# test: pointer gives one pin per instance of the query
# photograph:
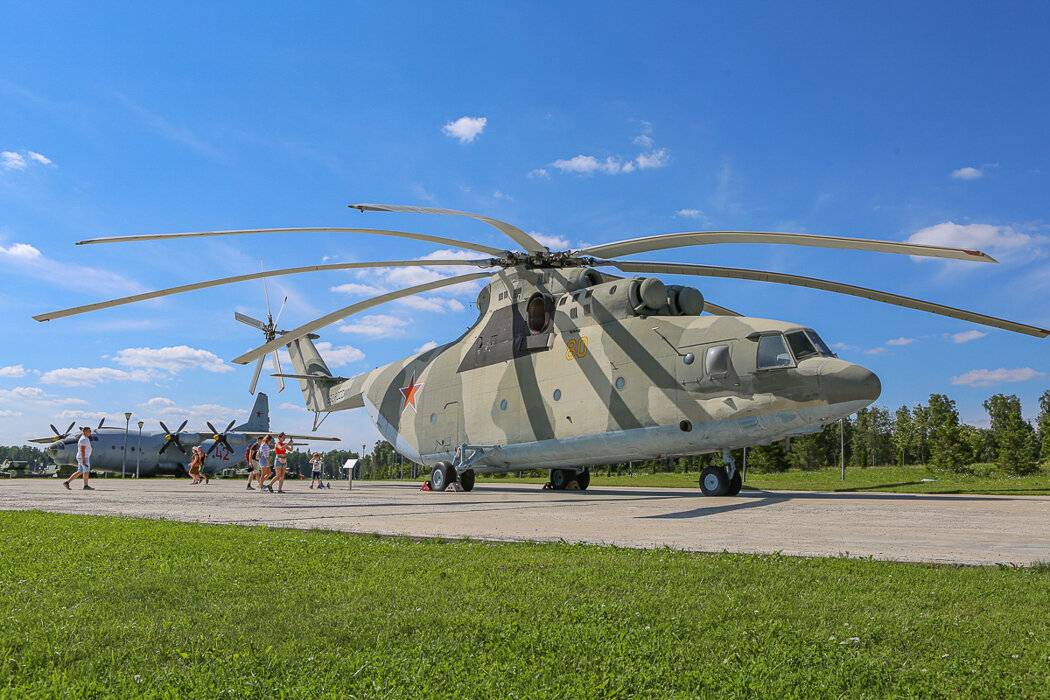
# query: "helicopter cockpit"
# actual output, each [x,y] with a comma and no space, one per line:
[788,349]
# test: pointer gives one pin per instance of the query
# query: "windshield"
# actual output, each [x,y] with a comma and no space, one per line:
[772,352]
[801,345]
[821,345]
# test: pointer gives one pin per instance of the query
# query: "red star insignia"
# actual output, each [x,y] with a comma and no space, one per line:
[410,393]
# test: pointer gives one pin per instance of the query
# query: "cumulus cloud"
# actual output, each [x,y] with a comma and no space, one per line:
[967,336]
[539,172]
[288,406]
[13,371]
[376,326]
[502,195]
[466,129]
[7,413]
[43,160]
[655,159]
[361,290]
[643,140]
[21,251]
[10,160]
[432,304]
[21,394]
[172,359]
[401,277]
[25,259]
[989,377]
[429,345]
[966,174]
[689,214]
[158,403]
[589,165]
[552,242]
[997,240]
[875,351]
[843,346]
[901,341]
[339,356]
[89,376]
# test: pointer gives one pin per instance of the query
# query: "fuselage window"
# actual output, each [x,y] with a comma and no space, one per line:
[717,362]
[537,313]
[821,345]
[773,352]
[801,345]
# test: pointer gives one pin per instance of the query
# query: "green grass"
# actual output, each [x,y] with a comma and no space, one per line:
[93,607]
[891,478]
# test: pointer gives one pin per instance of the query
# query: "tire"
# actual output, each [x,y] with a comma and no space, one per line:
[441,476]
[559,479]
[466,480]
[714,482]
[584,479]
[734,484]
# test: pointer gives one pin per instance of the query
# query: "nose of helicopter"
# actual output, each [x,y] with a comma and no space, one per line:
[844,382]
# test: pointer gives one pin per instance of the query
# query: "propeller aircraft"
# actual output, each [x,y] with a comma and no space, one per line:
[567,366]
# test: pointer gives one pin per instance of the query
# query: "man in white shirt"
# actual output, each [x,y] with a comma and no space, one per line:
[83,459]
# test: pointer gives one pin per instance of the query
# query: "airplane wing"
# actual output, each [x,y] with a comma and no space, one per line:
[257,433]
[43,441]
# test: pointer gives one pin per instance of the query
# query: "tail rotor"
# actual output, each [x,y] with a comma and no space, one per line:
[270,331]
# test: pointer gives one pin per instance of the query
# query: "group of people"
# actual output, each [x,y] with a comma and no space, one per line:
[257,456]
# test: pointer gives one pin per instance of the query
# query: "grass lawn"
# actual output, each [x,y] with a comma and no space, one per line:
[93,607]
[891,478]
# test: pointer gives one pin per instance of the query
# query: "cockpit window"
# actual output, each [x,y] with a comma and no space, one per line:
[801,345]
[821,345]
[773,352]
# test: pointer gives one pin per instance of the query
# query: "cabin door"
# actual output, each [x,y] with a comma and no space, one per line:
[453,425]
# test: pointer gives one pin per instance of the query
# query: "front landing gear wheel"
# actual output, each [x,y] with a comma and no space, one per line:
[441,476]
[714,482]
[559,479]
[466,480]
[583,479]
[734,484]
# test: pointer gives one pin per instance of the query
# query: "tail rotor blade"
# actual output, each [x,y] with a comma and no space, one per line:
[253,322]
[280,311]
[266,292]
[277,369]
[255,376]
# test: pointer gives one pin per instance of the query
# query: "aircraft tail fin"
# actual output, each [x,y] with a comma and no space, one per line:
[307,361]
[259,418]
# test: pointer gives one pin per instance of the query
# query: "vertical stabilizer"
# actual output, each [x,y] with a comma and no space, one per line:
[307,360]
[259,418]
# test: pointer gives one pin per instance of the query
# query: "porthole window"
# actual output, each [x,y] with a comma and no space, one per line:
[620,383]
[557,394]
[689,357]
[612,290]
[433,418]
[503,405]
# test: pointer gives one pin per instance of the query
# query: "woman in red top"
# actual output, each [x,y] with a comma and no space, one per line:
[280,451]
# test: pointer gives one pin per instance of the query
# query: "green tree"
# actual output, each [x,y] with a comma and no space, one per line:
[949,448]
[1043,425]
[904,435]
[1014,439]
[766,459]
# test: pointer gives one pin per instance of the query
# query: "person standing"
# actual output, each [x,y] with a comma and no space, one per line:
[315,471]
[83,459]
[251,459]
[264,462]
[280,451]
[195,465]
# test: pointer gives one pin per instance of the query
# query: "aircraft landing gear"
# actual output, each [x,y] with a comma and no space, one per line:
[721,481]
[466,480]
[559,479]
[442,475]
[562,479]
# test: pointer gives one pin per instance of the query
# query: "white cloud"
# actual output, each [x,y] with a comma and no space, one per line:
[643,140]
[588,165]
[875,351]
[843,346]
[43,160]
[362,290]
[19,393]
[158,403]
[88,376]
[12,161]
[22,251]
[966,174]
[689,213]
[431,304]
[539,172]
[967,336]
[13,371]
[552,242]
[339,356]
[288,406]
[988,377]
[502,195]
[466,129]
[24,259]
[901,341]
[376,326]
[172,359]
[984,237]
[429,345]
[655,159]
[9,414]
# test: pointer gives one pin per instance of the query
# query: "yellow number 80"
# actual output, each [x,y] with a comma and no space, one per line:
[576,349]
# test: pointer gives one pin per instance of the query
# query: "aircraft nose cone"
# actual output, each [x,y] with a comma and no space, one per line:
[848,383]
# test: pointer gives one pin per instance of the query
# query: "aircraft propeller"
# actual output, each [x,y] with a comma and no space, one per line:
[219,438]
[172,438]
[62,436]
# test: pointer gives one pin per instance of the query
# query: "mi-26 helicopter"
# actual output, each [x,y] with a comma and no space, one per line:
[568,367]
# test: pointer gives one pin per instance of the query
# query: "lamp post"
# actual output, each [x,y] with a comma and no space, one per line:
[138,453]
[124,462]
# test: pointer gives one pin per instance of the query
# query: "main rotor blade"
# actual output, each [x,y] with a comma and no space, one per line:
[813,283]
[716,310]
[253,322]
[690,238]
[523,239]
[240,232]
[255,376]
[73,311]
[266,293]
[295,334]
[277,369]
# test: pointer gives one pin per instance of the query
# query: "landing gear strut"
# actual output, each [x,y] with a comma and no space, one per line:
[562,479]
[721,481]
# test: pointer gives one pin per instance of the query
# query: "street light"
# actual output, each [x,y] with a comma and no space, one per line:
[124,463]
[139,452]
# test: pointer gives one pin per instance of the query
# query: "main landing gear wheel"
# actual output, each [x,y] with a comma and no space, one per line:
[583,479]
[560,479]
[442,475]
[466,480]
[734,484]
[714,482]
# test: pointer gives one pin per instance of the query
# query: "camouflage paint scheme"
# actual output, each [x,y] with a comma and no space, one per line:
[610,378]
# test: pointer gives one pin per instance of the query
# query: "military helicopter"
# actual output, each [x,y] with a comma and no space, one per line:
[568,367]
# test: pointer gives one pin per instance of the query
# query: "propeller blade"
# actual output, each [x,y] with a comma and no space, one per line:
[523,239]
[164,427]
[327,319]
[55,430]
[378,232]
[211,427]
[164,447]
[100,423]
[813,283]
[255,376]
[182,426]
[70,428]
[253,322]
[692,238]
[716,310]
[257,275]
[179,445]
[214,444]
[229,427]
[277,369]
[279,312]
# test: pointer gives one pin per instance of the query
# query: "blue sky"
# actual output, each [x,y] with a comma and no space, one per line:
[584,123]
